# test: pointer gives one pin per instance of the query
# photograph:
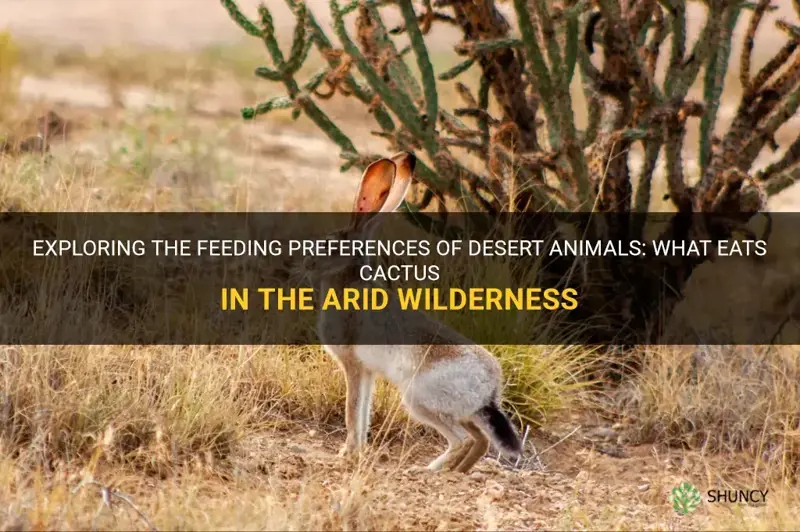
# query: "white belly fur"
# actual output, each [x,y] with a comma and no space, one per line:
[397,363]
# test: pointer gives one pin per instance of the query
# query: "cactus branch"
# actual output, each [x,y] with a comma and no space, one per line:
[490,150]
[678,49]
[571,46]
[399,102]
[790,158]
[423,61]
[279,102]
[749,41]
[245,23]
[533,52]
[268,35]
[714,80]
[337,65]
[457,70]
[300,45]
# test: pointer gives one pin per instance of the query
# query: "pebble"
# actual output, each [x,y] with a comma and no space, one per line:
[605,433]
[494,490]
[477,475]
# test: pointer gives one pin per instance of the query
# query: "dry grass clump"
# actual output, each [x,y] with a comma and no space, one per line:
[721,399]
[195,501]
[190,400]
[157,409]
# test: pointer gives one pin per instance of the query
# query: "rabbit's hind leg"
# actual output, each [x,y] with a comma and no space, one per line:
[457,441]
[476,451]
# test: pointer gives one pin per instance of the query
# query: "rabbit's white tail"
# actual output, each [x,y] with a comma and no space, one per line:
[498,427]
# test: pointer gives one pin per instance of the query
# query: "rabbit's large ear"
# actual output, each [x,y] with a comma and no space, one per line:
[376,184]
[405,163]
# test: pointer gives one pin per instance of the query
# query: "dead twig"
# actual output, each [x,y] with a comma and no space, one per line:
[109,495]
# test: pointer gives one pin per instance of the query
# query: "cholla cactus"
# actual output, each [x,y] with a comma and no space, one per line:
[531,163]
[532,154]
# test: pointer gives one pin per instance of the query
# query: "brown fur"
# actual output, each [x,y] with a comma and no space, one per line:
[475,451]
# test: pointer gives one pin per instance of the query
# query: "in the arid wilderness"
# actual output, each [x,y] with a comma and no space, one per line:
[399,264]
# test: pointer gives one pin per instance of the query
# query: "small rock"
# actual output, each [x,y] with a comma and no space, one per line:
[494,490]
[604,433]
[296,449]
[643,487]
[582,476]
[477,475]
[312,433]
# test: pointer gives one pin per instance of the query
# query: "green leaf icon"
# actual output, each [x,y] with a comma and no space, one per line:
[685,498]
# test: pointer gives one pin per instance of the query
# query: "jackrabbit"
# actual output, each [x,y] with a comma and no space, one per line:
[455,388]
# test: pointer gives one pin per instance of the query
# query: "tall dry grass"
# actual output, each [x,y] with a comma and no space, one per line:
[721,400]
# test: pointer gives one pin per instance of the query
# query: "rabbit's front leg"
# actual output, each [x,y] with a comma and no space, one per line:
[357,403]
[366,385]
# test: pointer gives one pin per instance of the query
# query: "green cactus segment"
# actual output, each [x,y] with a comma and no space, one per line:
[566,124]
[423,61]
[544,85]
[457,70]
[398,101]
[284,71]
[779,117]
[545,163]
[267,73]
[704,47]
[315,80]
[324,45]
[494,45]
[678,49]
[268,35]
[714,81]
[245,23]
[300,45]
[279,102]
[571,46]
[398,69]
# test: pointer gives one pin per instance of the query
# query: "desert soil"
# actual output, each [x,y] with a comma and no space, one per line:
[577,488]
